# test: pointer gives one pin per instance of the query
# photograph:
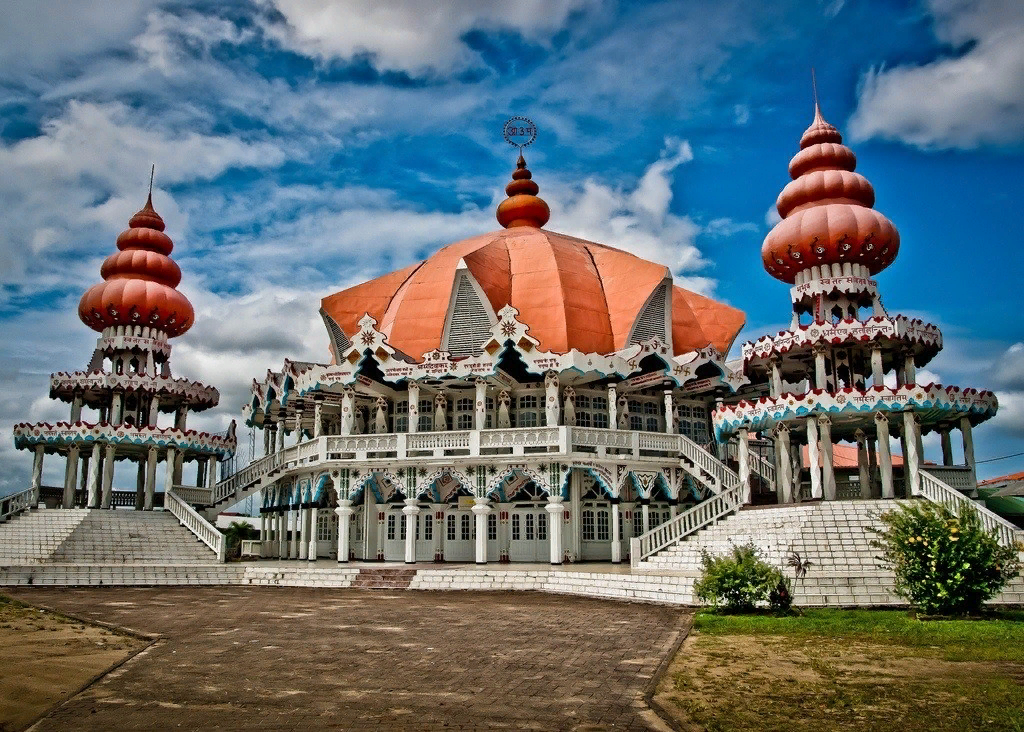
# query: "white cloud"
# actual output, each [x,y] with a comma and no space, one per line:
[728,227]
[971,98]
[168,37]
[741,114]
[404,35]
[771,216]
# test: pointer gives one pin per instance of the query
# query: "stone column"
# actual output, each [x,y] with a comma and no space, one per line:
[909,370]
[670,422]
[645,512]
[828,473]
[281,430]
[776,377]
[947,446]
[70,478]
[784,482]
[154,410]
[200,473]
[877,375]
[37,474]
[481,404]
[968,437]
[439,529]
[554,509]
[612,406]
[296,537]
[911,463]
[884,454]
[298,426]
[820,377]
[552,407]
[282,520]
[76,409]
[616,538]
[344,511]
[348,411]
[267,442]
[814,457]
[93,500]
[412,512]
[743,457]
[481,509]
[414,407]
[864,473]
[151,460]
[169,460]
[302,514]
[211,473]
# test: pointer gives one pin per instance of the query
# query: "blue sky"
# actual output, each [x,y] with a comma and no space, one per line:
[303,146]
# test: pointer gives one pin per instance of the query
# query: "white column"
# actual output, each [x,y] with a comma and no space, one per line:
[616,539]
[154,410]
[743,457]
[776,383]
[348,411]
[670,422]
[828,473]
[280,431]
[151,460]
[37,474]
[303,531]
[820,377]
[965,431]
[481,509]
[481,404]
[439,529]
[93,500]
[181,418]
[318,418]
[552,407]
[862,463]
[554,509]
[911,462]
[298,426]
[282,520]
[344,511]
[70,478]
[414,407]
[76,409]
[169,461]
[784,484]
[645,511]
[877,375]
[612,406]
[814,457]
[412,511]
[211,473]
[884,454]
[910,370]
[293,543]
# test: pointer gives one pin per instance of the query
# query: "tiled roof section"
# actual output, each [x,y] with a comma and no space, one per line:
[572,293]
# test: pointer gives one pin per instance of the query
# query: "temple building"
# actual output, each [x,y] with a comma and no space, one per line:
[119,400]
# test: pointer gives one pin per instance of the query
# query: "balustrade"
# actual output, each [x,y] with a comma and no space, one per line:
[203,529]
[686,523]
[938,492]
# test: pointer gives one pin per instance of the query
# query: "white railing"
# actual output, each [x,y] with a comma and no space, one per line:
[936,491]
[960,477]
[519,438]
[361,445]
[203,529]
[15,504]
[686,523]
[195,495]
[245,477]
[701,458]
[438,440]
[601,439]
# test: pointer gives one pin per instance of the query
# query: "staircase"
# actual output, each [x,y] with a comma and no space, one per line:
[84,537]
[31,537]
[383,578]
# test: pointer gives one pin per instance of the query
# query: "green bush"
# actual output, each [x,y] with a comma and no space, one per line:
[943,564]
[740,580]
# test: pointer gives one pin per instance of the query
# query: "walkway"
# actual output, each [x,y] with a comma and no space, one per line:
[243,658]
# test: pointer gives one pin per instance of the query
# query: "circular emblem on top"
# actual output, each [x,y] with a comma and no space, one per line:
[519,132]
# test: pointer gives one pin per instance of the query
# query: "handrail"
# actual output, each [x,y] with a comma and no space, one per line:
[247,475]
[761,465]
[936,491]
[195,495]
[686,523]
[203,529]
[15,503]
[722,474]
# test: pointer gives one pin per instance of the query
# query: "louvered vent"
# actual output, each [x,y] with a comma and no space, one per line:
[652,319]
[339,341]
[469,324]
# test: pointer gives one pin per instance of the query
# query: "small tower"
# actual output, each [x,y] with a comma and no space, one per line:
[846,370]
[128,383]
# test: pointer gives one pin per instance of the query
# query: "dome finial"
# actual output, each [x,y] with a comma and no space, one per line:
[523,207]
[147,217]
[149,198]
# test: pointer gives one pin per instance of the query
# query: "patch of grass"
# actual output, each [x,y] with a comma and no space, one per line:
[999,637]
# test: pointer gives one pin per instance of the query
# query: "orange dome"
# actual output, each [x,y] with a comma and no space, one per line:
[827,211]
[139,281]
[571,293]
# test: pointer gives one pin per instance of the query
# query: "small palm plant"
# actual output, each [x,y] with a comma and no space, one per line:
[798,564]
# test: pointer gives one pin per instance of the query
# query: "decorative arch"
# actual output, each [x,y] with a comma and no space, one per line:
[319,484]
[602,476]
[494,485]
[461,479]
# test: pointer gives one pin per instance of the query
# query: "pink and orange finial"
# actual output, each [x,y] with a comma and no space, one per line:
[523,207]
[827,210]
[139,280]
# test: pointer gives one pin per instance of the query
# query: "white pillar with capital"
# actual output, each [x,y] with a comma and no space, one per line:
[344,511]
[616,538]
[743,458]
[912,463]
[814,457]
[414,407]
[552,409]
[348,411]
[828,472]
[965,431]
[784,484]
[884,454]
[37,474]
[411,511]
[93,500]
[169,459]
[481,507]
[670,421]
[480,404]
[554,509]
[864,474]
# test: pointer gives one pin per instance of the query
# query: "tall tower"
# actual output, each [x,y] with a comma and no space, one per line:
[128,384]
[846,370]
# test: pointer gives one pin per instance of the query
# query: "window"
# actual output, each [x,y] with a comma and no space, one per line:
[600,403]
[588,525]
[652,424]
[515,527]
[489,403]
[451,527]
[602,526]
[542,527]
[426,422]
[583,419]
[582,401]
[529,527]
[601,420]
[391,527]
[620,526]
[402,423]
[464,421]
[636,422]
[528,402]
[466,527]
[638,521]
[463,405]
[492,527]
[634,406]
[526,419]
[401,524]
[428,527]
[487,422]
[650,408]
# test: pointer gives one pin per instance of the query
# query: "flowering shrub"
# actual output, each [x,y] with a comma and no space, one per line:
[741,579]
[943,563]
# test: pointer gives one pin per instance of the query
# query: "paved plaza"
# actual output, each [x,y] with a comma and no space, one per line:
[235,658]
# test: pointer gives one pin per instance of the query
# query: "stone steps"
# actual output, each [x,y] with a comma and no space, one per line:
[379,578]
